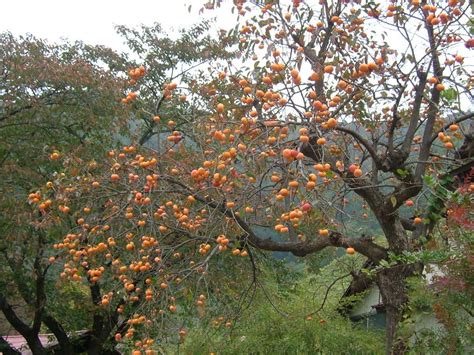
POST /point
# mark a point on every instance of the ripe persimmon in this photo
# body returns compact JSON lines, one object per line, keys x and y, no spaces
{"x":323,"y":232}
{"x":321,"y":141}
{"x":358,"y":172}
{"x":328,"y":69}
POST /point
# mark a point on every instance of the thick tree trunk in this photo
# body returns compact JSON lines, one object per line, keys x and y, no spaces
{"x":392,"y":287}
{"x":95,"y":347}
{"x":98,"y":340}
{"x":393,"y":344}
{"x":60,"y":334}
{"x":34,"y":344}
{"x":30,"y":334}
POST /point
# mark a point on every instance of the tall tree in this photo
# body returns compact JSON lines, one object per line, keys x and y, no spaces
{"x":54,"y":99}
{"x":59,"y":103}
{"x":321,"y":106}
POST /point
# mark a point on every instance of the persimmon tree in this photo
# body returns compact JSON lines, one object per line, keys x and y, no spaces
{"x":66,"y":100}
{"x":186,"y":60}
{"x":54,"y":99}
{"x":328,"y":101}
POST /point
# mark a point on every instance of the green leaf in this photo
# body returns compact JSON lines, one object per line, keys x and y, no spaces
{"x":403,"y":173}
{"x":470,"y":22}
{"x":429,"y":180}
{"x":393,"y":199}
{"x":449,"y":94}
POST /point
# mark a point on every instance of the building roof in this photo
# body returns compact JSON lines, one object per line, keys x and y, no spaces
{"x":19,"y":343}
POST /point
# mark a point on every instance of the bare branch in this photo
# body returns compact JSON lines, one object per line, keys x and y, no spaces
{"x":362,"y":141}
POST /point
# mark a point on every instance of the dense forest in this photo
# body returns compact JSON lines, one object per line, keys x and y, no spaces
{"x":301,"y":183}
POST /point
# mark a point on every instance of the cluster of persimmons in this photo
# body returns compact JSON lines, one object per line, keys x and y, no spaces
{"x":144,"y":221}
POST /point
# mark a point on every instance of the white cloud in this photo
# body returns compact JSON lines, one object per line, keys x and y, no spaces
{"x":92,"y":21}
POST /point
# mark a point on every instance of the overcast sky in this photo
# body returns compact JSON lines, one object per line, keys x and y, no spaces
{"x":92,"y":21}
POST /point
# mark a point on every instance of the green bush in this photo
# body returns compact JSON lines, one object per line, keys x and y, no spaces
{"x":265,"y":332}
{"x":277,"y":321}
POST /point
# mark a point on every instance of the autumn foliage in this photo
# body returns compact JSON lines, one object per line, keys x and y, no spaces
{"x":318,"y":113}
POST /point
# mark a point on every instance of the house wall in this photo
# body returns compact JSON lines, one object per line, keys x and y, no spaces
{"x":364,"y":307}
{"x":372,"y":319}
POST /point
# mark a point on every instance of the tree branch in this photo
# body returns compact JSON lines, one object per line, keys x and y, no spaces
{"x":433,"y":107}
{"x":56,"y":328}
{"x":40,"y":292}
{"x":393,"y":125}
{"x":30,"y":336}
{"x":415,"y":117}
{"x":12,"y":318}
{"x":407,"y":224}
{"x":362,"y":141}
{"x":460,"y":119}
{"x":364,"y":246}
